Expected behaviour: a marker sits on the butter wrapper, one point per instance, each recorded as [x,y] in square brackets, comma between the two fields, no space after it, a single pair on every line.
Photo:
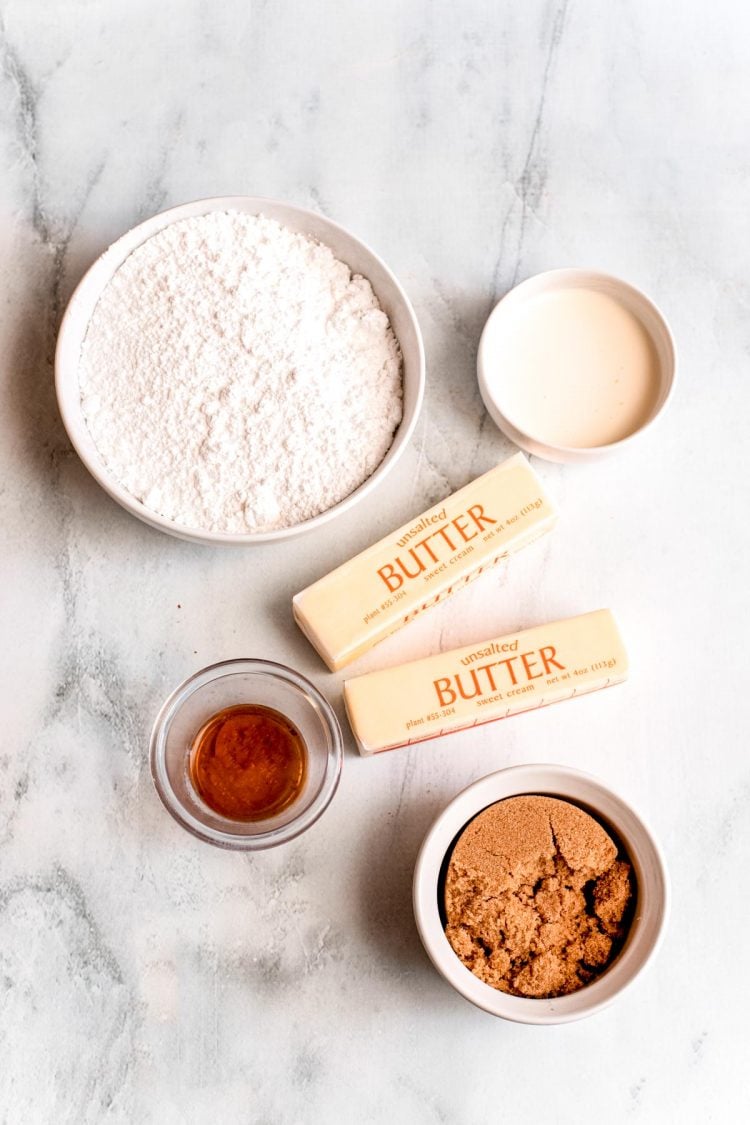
[467,687]
[419,565]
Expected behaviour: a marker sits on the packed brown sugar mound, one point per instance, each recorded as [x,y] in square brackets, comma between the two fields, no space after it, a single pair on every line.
[536,897]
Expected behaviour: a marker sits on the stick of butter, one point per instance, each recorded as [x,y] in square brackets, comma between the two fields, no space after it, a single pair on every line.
[486,681]
[371,596]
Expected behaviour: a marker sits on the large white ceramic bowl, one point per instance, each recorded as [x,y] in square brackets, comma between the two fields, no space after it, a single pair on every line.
[652,891]
[360,259]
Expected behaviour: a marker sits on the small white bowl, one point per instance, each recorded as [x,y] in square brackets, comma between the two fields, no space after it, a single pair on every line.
[632,299]
[652,891]
[346,247]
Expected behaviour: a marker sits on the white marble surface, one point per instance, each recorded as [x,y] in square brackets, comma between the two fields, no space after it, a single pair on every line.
[145,977]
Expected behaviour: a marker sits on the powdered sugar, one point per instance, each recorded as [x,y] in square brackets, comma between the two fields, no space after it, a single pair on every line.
[235,376]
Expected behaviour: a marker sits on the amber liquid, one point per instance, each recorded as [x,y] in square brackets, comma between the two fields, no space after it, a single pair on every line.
[248,762]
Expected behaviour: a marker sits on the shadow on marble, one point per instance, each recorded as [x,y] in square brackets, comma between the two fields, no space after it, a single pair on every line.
[385,900]
[51,466]
[295,650]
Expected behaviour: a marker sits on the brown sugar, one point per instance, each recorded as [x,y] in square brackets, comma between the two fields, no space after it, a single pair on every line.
[536,897]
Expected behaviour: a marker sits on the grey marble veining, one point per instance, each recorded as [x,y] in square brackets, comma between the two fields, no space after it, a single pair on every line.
[145,977]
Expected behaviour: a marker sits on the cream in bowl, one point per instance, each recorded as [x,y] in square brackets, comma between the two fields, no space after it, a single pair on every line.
[572,364]
[539,894]
[237,370]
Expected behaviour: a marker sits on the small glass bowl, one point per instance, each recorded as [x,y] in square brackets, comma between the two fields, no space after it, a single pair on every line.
[223,685]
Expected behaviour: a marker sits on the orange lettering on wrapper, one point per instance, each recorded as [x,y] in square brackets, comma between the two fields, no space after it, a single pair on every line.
[428,550]
[476,511]
[481,681]
[445,692]
[548,655]
[388,574]
[462,581]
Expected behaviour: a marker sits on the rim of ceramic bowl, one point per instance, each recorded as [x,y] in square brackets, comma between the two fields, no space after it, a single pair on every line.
[80,307]
[646,930]
[536,444]
[261,840]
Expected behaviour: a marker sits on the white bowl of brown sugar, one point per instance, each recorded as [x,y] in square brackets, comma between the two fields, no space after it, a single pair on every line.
[540,894]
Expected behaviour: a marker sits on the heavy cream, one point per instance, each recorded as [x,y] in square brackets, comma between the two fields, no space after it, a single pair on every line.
[422,563]
[482,682]
[573,367]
